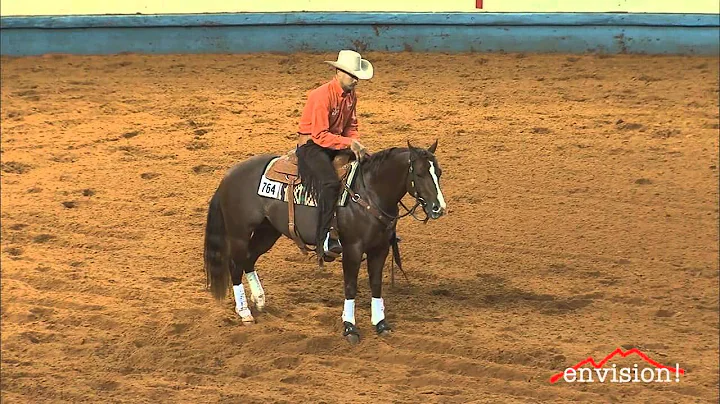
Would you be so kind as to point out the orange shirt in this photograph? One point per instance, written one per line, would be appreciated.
(329, 116)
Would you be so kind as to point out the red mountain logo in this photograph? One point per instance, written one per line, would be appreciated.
(570, 374)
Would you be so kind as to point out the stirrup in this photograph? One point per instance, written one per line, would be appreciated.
(326, 245)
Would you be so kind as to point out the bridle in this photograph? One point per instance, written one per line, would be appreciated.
(419, 201)
(386, 218)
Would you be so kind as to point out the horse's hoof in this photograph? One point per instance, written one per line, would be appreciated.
(351, 333)
(259, 302)
(245, 316)
(383, 329)
(248, 319)
(353, 339)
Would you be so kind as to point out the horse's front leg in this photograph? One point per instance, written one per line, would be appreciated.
(375, 263)
(352, 256)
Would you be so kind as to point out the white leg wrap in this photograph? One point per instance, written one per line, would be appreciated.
(349, 311)
(377, 306)
(256, 289)
(241, 306)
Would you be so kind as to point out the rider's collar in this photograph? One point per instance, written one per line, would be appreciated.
(337, 88)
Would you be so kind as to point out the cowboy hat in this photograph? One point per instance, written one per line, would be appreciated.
(350, 62)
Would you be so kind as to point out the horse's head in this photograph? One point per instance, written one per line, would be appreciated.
(424, 180)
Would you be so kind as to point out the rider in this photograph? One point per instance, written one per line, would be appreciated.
(330, 120)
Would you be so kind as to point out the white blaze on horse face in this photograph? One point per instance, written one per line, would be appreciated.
(440, 197)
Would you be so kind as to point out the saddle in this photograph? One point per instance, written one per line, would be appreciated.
(285, 171)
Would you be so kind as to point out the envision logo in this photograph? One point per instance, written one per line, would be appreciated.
(613, 374)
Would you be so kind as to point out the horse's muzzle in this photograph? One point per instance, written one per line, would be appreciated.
(436, 211)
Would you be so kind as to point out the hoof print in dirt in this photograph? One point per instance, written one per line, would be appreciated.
(441, 292)
(88, 192)
(69, 204)
(664, 313)
(643, 181)
(43, 238)
(149, 176)
(622, 125)
(197, 145)
(14, 251)
(541, 131)
(203, 169)
(14, 167)
(665, 133)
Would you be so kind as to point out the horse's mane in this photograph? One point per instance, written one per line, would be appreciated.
(373, 163)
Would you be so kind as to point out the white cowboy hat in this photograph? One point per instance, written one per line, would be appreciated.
(350, 62)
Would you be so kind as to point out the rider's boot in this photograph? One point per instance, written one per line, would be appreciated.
(331, 245)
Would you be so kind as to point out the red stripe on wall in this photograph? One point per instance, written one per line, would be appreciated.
(478, 3)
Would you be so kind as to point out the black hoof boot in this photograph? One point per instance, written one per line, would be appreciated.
(351, 333)
(383, 329)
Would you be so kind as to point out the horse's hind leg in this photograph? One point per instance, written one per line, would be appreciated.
(238, 250)
(262, 240)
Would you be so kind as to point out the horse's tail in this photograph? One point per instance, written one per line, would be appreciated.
(216, 251)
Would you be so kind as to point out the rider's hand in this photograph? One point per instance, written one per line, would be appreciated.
(358, 149)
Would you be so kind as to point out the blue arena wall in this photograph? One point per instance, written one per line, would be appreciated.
(420, 32)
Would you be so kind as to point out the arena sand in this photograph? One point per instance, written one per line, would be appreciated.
(583, 218)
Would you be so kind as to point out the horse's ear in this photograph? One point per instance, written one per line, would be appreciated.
(410, 147)
(433, 147)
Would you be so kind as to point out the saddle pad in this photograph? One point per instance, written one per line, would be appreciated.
(277, 190)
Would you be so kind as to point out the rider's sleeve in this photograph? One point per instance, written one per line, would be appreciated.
(320, 128)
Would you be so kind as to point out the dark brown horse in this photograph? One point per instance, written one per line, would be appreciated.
(241, 225)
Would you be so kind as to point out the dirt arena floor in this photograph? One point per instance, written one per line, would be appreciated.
(583, 218)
